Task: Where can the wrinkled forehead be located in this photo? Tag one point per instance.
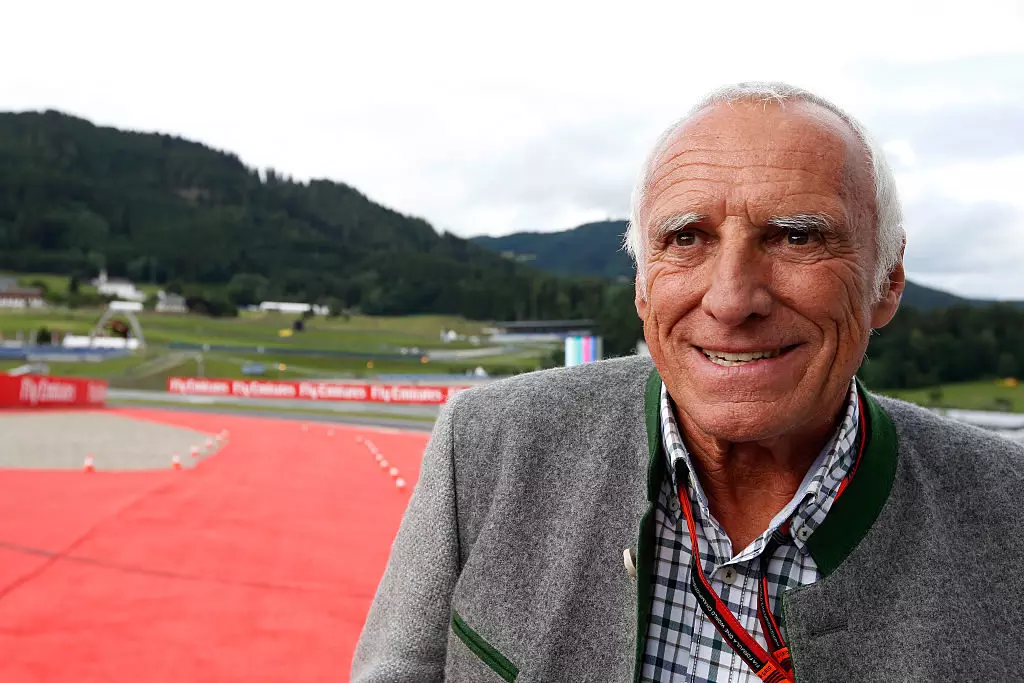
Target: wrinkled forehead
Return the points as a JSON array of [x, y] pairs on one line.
[[800, 138]]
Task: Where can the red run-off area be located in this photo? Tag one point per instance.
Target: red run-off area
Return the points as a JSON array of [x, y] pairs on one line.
[[257, 565]]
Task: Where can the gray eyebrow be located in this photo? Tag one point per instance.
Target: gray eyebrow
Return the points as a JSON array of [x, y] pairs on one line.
[[669, 225], [820, 222]]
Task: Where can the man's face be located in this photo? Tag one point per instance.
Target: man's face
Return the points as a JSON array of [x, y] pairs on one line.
[[760, 296]]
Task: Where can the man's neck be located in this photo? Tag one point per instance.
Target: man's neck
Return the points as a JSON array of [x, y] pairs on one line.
[[748, 484], [745, 489]]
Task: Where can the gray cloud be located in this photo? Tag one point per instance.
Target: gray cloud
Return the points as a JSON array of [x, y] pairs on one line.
[[957, 133], [922, 84], [964, 241], [587, 168], [949, 110]]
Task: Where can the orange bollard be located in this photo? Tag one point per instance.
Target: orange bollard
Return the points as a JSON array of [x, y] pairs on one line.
[[88, 464]]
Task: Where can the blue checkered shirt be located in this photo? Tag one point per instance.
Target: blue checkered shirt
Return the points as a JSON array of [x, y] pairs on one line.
[[682, 644]]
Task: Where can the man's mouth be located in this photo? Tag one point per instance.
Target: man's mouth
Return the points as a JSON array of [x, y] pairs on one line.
[[728, 359]]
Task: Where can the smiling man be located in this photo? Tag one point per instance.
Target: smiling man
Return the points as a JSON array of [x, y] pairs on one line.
[[744, 509]]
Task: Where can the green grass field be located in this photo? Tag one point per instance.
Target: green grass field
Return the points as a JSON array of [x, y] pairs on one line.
[[58, 284], [358, 333], [381, 338], [984, 395]]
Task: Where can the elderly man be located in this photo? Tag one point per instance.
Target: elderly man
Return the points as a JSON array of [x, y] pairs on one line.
[[744, 509]]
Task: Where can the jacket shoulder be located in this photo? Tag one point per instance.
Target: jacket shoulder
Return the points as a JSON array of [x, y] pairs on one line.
[[519, 445], [557, 391], [956, 454]]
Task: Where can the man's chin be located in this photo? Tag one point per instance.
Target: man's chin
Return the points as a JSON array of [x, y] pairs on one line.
[[741, 422]]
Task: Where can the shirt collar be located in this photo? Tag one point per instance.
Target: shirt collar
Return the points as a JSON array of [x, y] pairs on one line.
[[808, 507]]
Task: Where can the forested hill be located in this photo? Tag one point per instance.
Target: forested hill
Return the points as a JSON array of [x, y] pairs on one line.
[[595, 249], [75, 197], [590, 249]]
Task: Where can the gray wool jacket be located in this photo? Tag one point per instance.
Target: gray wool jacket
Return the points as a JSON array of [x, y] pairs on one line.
[[509, 561]]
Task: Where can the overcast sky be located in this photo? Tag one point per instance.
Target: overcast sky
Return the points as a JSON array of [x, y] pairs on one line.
[[489, 119]]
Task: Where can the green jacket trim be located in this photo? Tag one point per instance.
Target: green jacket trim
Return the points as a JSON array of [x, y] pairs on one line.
[[482, 649], [645, 553], [852, 515]]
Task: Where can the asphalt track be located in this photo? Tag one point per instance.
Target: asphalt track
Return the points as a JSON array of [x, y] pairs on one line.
[[45, 439], [257, 565]]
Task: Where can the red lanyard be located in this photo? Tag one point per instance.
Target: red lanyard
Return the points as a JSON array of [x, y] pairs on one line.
[[774, 666]]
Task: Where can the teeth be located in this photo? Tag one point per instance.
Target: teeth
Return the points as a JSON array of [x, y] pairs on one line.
[[729, 360]]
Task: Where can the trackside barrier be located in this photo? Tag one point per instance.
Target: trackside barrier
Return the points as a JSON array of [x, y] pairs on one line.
[[312, 390], [45, 391]]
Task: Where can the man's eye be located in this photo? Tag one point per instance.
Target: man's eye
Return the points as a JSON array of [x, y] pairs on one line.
[[797, 237], [685, 238]]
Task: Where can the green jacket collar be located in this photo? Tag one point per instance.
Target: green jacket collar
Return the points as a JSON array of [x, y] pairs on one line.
[[850, 517], [645, 548]]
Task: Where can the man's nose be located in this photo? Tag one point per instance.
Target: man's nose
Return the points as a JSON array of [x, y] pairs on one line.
[[738, 287]]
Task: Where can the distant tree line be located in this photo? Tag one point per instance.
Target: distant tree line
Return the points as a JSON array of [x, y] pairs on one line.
[[919, 348], [956, 344]]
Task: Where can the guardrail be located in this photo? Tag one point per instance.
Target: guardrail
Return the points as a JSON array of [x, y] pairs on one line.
[[313, 390]]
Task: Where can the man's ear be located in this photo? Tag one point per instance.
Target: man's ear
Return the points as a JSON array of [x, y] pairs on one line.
[[640, 300], [885, 308]]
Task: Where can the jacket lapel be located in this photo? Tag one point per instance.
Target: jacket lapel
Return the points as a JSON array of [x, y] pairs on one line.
[[645, 555], [857, 509]]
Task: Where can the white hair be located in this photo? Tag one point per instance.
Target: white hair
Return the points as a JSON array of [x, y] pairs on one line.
[[889, 233]]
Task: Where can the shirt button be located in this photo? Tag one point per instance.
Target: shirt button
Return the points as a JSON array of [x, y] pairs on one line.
[[803, 533], [673, 504], [729, 575]]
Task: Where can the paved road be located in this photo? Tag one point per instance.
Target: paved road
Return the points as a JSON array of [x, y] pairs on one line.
[[470, 354], [62, 439]]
